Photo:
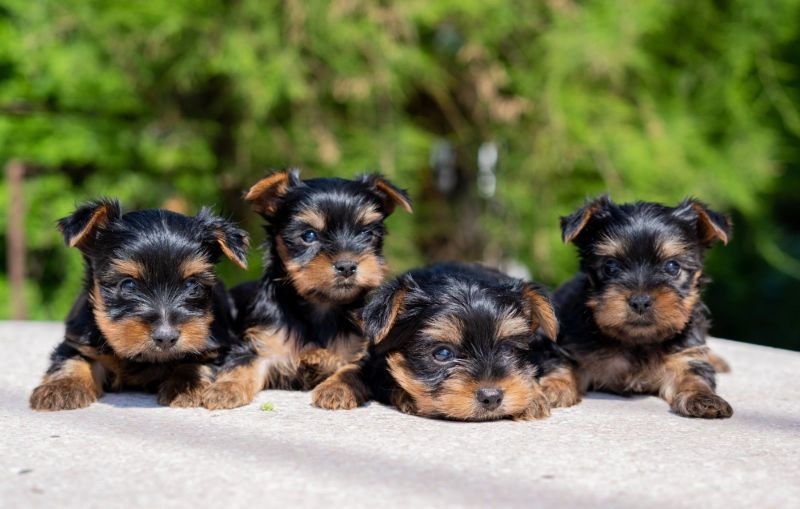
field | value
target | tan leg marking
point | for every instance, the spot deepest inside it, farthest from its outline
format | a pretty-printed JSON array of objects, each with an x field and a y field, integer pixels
[
  {"x": 73, "y": 386},
  {"x": 561, "y": 387}
]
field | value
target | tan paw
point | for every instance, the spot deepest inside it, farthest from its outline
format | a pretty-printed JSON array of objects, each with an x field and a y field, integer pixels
[
  {"x": 701, "y": 404},
  {"x": 64, "y": 394},
  {"x": 538, "y": 409},
  {"x": 336, "y": 395},
  {"x": 561, "y": 395},
  {"x": 222, "y": 395},
  {"x": 404, "y": 402}
]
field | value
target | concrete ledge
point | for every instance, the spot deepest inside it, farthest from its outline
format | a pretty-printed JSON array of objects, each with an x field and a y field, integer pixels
[{"x": 125, "y": 451}]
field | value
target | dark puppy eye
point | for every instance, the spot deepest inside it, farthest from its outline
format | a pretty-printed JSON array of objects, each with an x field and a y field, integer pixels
[
  {"x": 507, "y": 348},
  {"x": 443, "y": 354},
  {"x": 672, "y": 268},
  {"x": 127, "y": 285},
  {"x": 192, "y": 285},
  {"x": 612, "y": 268},
  {"x": 309, "y": 236}
]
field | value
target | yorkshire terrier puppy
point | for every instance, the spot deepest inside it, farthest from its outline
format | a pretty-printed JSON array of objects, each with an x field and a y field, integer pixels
[
  {"x": 151, "y": 315},
  {"x": 633, "y": 318},
  {"x": 458, "y": 341},
  {"x": 324, "y": 254}
]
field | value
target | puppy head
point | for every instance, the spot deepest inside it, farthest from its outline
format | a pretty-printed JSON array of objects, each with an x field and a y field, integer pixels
[
  {"x": 459, "y": 348},
  {"x": 328, "y": 233},
  {"x": 151, "y": 275},
  {"x": 645, "y": 263}
]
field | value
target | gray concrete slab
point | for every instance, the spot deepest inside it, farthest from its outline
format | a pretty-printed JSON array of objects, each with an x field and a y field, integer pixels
[{"x": 125, "y": 451}]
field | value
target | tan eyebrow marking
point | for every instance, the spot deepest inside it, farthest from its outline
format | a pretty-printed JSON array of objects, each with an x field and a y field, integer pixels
[
  {"x": 369, "y": 215},
  {"x": 511, "y": 326},
  {"x": 672, "y": 248},
  {"x": 610, "y": 247},
  {"x": 312, "y": 217},
  {"x": 444, "y": 328},
  {"x": 194, "y": 266},
  {"x": 128, "y": 268}
]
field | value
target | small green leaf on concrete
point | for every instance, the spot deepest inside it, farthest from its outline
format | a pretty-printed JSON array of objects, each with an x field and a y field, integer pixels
[{"x": 267, "y": 407}]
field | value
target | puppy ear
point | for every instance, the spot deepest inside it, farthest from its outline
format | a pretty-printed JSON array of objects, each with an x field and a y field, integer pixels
[
  {"x": 267, "y": 193},
  {"x": 711, "y": 225},
  {"x": 573, "y": 224},
  {"x": 225, "y": 238},
  {"x": 390, "y": 195},
  {"x": 81, "y": 228},
  {"x": 380, "y": 314},
  {"x": 542, "y": 313}
]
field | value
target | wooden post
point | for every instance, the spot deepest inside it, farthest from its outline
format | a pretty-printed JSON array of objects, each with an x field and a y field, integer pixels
[{"x": 15, "y": 176}]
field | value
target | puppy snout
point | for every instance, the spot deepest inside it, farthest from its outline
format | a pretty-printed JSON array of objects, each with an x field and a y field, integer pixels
[
  {"x": 165, "y": 336},
  {"x": 489, "y": 398},
  {"x": 640, "y": 303},
  {"x": 345, "y": 268}
]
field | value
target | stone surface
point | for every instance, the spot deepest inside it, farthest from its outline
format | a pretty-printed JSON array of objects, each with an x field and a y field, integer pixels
[{"x": 125, "y": 451}]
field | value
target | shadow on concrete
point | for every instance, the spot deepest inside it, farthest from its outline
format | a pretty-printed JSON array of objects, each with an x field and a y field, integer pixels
[
  {"x": 456, "y": 486},
  {"x": 350, "y": 466},
  {"x": 616, "y": 397},
  {"x": 129, "y": 400}
]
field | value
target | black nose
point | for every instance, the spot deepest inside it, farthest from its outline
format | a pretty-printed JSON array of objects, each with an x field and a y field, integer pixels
[
  {"x": 345, "y": 268},
  {"x": 640, "y": 302},
  {"x": 489, "y": 398},
  {"x": 165, "y": 336}
]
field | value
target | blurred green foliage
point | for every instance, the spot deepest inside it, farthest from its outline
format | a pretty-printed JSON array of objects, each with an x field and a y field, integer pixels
[{"x": 188, "y": 102}]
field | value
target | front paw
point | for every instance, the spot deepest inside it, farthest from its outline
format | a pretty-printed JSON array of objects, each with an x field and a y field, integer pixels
[
  {"x": 336, "y": 395},
  {"x": 701, "y": 404},
  {"x": 561, "y": 395},
  {"x": 404, "y": 402},
  {"x": 539, "y": 408},
  {"x": 223, "y": 395},
  {"x": 64, "y": 394}
]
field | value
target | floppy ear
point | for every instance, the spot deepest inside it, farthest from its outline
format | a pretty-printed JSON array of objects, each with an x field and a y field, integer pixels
[
  {"x": 541, "y": 310},
  {"x": 266, "y": 194},
  {"x": 380, "y": 314},
  {"x": 81, "y": 228},
  {"x": 225, "y": 238},
  {"x": 711, "y": 225},
  {"x": 390, "y": 195},
  {"x": 573, "y": 224}
]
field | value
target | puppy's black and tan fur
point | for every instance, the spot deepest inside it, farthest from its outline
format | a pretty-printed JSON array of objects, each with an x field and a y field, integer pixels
[
  {"x": 324, "y": 254},
  {"x": 151, "y": 315},
  {"x": 633, "y": 318},
  {"x": 458, "y": 341}
]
